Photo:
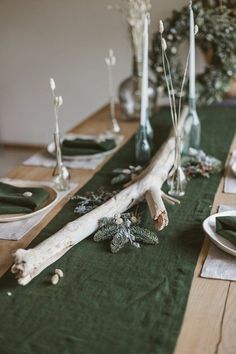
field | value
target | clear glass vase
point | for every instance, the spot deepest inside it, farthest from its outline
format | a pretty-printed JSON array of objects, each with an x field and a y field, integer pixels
[
  {"x": 130, "y": 94},
  {"x": 192, "y": 129},
  {"x": 177, "y": 180},
  {"x": 61, "y": 175},
  {"x": 142, "y": 146}
]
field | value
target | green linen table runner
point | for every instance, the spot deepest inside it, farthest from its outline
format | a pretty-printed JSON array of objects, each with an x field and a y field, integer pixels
[
  {"x": 226, "y": 227},
  {"x": 81, "y": 146},
  {"x": 14, "y": 200},
  {"x": 129, "y": 303}
]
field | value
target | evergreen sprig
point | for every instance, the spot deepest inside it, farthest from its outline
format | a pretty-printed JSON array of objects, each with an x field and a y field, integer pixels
[
  {"x": 91, "y": 200},
  {"x": 122, "y": 229}
]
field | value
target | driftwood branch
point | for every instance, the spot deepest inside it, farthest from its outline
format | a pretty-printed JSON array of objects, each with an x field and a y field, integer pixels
[{"x": 29, "y": 263}]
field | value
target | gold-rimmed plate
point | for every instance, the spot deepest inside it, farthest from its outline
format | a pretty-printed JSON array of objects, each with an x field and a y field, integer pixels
[{"x": 52, "y": 200}]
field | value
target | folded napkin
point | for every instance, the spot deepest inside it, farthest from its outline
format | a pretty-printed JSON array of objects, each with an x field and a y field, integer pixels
[
  {"x": 232, "y": 163},
  {"x": 81, "y": 146},
  {"x": 226, "y": 227},
  {"x": 21, "y": 200}
]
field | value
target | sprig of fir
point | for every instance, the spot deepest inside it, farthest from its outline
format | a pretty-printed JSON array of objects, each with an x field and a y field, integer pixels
[{"x": 123, "y": 229}]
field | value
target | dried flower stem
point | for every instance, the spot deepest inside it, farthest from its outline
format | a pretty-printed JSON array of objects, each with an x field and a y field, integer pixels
[
  {"x": 57, "y": 103},
  {"x": 135, "y": 11},
  {"x": 169, "y": 82}
]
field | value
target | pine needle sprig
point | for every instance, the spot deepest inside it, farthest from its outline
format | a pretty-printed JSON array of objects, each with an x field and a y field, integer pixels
[
  {"x": 91, "y": 200},
  {"x": 145, "y": 235},
  {"x": 123, "y": 229},
  {"x": 104, "y": 234}
]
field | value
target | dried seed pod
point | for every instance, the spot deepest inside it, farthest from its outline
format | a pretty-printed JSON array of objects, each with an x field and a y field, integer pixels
[
  {"x": 134, "y": 219},
  {"x": 161, "y": 27},
  {"x": 164, "y": 45},
  {"x": 52, "y": 84},
  {"x": 119, "y": 221},
  {"x": 55, "y": 279},
  {"x": 59, "y": 272}
]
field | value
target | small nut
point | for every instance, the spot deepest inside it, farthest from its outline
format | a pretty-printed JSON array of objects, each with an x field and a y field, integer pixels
[
  {"x": 28, "y": 194},
  {"x": 134, "y": 219},
  {"x": 119, "y": 221},
  {"x": 55, "y": 279},
  {"x": 59, "y": 272}
]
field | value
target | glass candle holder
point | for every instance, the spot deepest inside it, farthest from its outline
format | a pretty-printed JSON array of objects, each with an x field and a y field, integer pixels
[{"x": 142, "y": 146}]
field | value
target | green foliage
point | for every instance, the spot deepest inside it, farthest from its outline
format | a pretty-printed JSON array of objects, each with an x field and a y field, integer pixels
[
  {"x": 104, "y": 233},
  {"x": 145, "y": 235},
  {"x": 200, "y": 165},
  {"x": 217, "y": 37},
  {"x": 123, "y": 229},
  {"x": 91, "y": 200}
]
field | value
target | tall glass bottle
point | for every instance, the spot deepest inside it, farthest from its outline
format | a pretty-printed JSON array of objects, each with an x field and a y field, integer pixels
[
  {"x": 192, "y": 128},
  {"x": 143, "y": 143}
]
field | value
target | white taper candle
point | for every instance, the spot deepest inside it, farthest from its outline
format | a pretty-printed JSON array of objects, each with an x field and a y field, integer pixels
[
  {"x": 144, "y": 96},
  {"x": 192, "y": 64}
]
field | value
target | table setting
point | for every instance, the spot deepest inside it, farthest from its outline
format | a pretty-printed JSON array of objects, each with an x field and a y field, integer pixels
[
  {"x": 19, "y": 220},
  {"x": 140, "y": 248}
]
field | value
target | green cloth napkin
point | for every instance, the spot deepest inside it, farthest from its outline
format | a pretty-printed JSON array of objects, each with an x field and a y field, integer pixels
[
  {"x": 226, "y": 227},
  {"x": 80, "y": 146},
  {"x": 12, "y": 200}
]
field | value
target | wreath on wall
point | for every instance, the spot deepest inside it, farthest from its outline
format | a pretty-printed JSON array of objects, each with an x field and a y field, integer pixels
[{"x": 217, "y": 40}]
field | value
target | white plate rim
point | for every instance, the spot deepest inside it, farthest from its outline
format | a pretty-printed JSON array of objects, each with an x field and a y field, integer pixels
[
  {"x": 51, "y": 148},
  {"x": 36, "y": 184},
  {"x": 219, "y": 241}
]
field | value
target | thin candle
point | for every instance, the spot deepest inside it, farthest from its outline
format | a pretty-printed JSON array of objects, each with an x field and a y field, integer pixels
[
  {"x": 192, "y": 64},
  {"x": 111, "y": 62},
  {"x": 144, "y": 96}
]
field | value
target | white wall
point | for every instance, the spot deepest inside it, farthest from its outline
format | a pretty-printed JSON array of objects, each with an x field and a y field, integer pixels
[{"x": 66, "y": 39}]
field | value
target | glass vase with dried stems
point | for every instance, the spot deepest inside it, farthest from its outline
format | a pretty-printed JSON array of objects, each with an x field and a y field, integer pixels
[
  {"x": 61, "y": 175},
  {"x": 134, "y": 12},
  {"x": 177, "y": 180}
]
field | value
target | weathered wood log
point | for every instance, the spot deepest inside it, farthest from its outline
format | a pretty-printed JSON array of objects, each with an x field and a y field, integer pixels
[{"x": 29, "y": 263}]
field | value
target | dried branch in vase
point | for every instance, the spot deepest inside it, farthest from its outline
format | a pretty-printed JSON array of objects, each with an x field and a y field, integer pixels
[{"x": 134, "y": 12}]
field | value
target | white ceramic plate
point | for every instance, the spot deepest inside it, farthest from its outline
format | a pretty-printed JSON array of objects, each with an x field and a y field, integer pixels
[
  {"x": 51, "y": 147},
  {"x": 209, "y": 225},
  {"x": 52, "y": 199}
]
